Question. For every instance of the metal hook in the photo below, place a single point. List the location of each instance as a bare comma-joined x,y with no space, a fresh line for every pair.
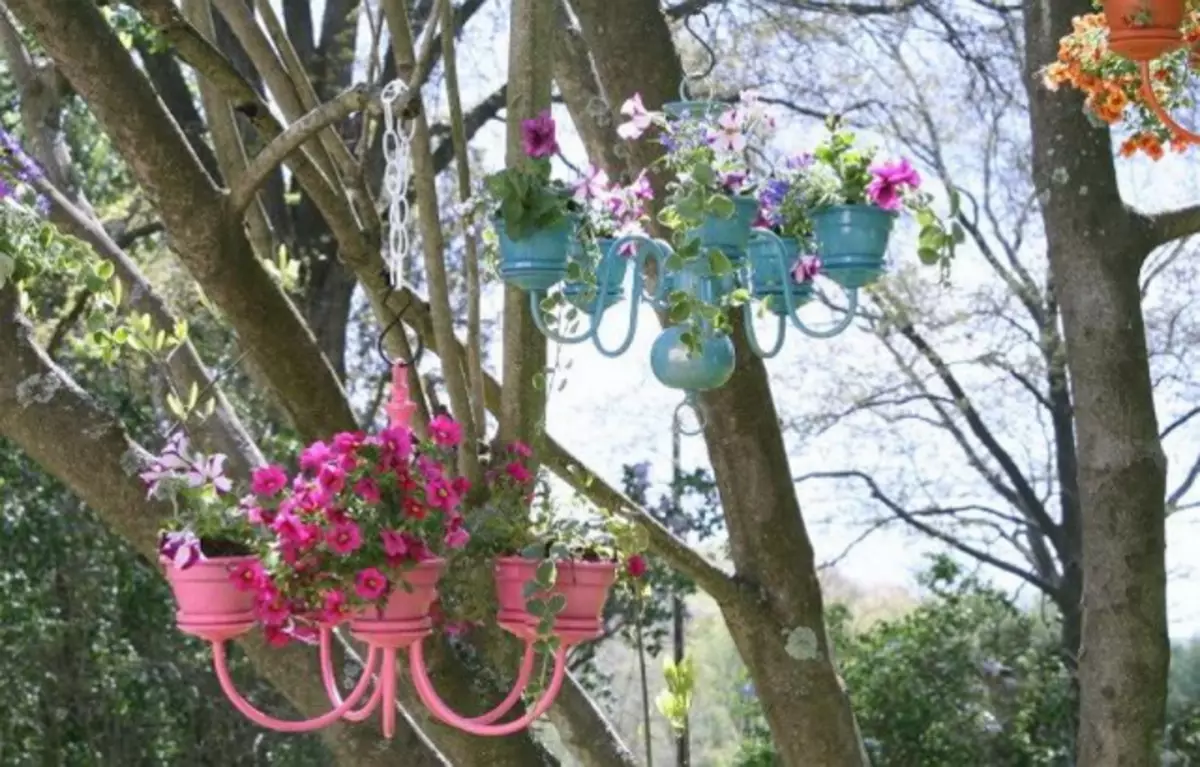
379,342
689,403
712,55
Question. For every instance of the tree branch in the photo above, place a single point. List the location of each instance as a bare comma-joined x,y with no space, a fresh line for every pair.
1173,224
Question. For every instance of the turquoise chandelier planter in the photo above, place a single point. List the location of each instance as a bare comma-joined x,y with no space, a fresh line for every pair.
609,265
539,260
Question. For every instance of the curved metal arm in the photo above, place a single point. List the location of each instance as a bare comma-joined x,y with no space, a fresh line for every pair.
689,403
428,696
657,300
535,308
270,722
639,280
785,278
752,334
1147,91
335,697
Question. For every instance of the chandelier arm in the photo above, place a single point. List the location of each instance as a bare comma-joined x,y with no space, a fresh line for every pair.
428,696
1151,101
636,292
657,299
836,328
335,697
752,334
280,725
535,308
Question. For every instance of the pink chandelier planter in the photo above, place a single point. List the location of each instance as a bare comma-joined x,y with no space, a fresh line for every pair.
213,607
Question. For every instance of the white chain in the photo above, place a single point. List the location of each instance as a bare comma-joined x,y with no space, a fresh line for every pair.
397,146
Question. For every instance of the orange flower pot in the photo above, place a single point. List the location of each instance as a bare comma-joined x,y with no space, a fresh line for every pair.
1143,30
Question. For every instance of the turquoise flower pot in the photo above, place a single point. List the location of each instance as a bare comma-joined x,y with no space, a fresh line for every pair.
729,235
766,281
675,369
852,241
538,261
583,296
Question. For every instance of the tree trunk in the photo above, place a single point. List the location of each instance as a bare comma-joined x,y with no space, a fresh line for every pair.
1096,248
782,636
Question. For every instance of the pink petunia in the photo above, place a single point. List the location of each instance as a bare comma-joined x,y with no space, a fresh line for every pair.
439,494
268,480
397,441
891,180
728,137
370,583
271,607
332,478
429,469
367,489
445,431
639,119
315,456
348,442
520,449
344,538
333,608
457,536
394,544
806,268
518,471
249,576
537,136
593,185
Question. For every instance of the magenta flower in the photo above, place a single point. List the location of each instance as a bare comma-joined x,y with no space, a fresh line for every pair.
728,137
249,576
367,489
641,187
332,478
276,636
429,468
268,480
271,607
445,431
344,538
518,471
397,441
348,442
639,119
394,544
315,456
891,180
806,268
440,495
292,530
537,136
520,449
457,536
333,609
370,584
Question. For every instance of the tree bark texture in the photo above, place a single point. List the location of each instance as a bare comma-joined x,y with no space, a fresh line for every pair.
1096,248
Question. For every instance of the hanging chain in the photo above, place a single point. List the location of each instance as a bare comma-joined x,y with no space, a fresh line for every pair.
397,153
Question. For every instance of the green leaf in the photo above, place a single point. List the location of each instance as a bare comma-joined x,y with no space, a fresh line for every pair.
926,218
556,604
679,312
957,234
574,271
703,173
546,573
535,607
719,263
928,256
720,205
96,321
104,270
739,296
674,262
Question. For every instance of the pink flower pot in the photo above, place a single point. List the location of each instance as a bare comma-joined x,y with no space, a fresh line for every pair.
404,618
584,584
210,605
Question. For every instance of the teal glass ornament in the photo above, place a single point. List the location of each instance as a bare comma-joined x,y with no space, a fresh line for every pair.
674,368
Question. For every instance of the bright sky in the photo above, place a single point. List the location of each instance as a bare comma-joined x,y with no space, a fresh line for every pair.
611,412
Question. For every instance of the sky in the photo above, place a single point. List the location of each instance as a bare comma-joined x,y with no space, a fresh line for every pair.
611,412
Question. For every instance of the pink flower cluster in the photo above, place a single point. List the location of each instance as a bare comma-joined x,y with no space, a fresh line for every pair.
341,530
891,180
614,210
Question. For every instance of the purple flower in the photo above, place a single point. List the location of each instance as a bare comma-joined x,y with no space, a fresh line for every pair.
182,548
210,470
891,179
537,136
799,161
773,193
641,187
595,184
732,182
6,190
639,119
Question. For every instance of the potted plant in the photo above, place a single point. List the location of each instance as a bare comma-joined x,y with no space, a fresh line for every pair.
206,546
535,216
783,211
854,200
359,533
709,206
1101,58
610,211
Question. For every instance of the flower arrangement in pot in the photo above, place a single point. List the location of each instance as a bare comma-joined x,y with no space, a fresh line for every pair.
358,533
853,202
709,206
610,211
535,215
206,544
783,211
1101,58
